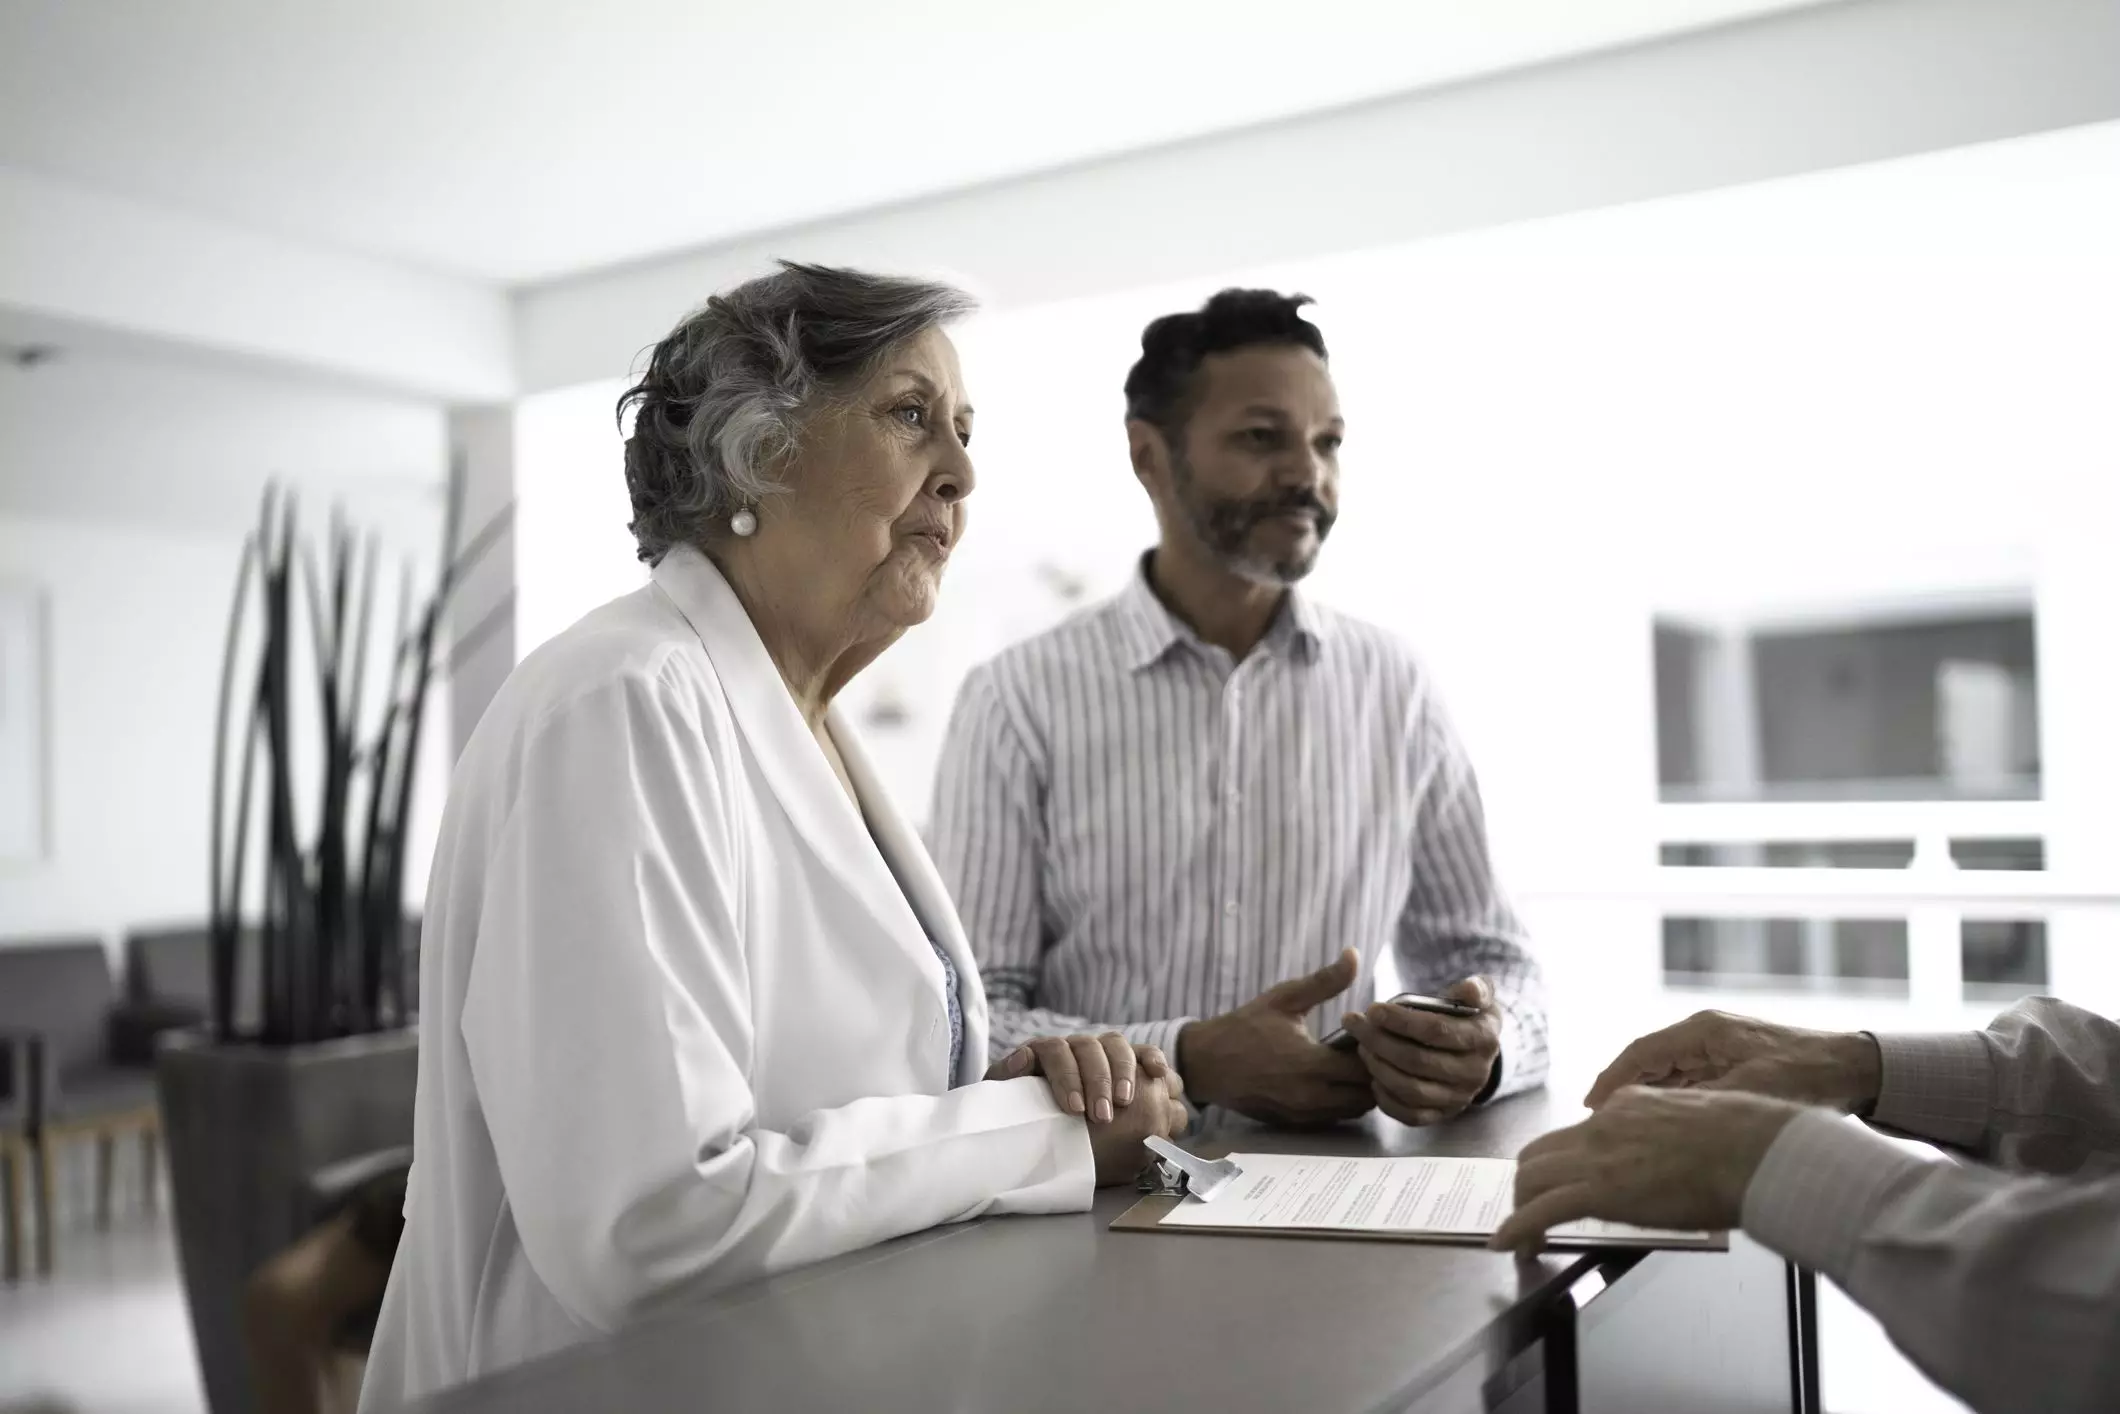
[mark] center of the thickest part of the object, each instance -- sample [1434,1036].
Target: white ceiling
[517,141]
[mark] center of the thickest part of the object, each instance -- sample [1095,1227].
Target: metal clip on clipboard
[1175,1173]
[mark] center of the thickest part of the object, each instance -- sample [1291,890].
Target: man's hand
[1260,1060]
[1159,1109]
[1091,1076]
[1425,1067]
[1718,1051]
[1654,1158]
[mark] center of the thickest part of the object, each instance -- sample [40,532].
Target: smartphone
[1342,1040]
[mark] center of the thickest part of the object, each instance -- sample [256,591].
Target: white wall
[482,605]
[572,549]
[126,487]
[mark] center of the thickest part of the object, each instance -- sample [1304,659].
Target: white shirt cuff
[1819,1187]
[1161,1034]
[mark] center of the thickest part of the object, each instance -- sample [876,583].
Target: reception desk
[1058,1313]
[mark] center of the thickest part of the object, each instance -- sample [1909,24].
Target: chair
[22,1089]
[173,968]
[170,964]
[76,1070]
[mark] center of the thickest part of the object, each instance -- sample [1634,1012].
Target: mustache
[1249,513]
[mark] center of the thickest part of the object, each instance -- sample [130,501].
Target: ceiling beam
[1806,90]
[80,264]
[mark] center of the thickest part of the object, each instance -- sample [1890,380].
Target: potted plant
[316,1066]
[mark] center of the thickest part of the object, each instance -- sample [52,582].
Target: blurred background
[1730,390]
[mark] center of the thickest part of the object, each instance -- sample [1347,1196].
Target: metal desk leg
[1803,1340]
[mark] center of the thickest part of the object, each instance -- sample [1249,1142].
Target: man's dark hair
[1161,385]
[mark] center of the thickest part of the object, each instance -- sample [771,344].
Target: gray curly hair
[726,395]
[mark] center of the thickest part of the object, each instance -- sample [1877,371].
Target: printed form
[1434,1198]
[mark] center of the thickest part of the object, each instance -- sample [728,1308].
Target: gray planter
[245,1126]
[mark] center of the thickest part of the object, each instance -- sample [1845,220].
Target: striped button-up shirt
[1140,830]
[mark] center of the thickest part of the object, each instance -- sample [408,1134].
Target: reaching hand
[1719,1051]
[1089,1075]
[1654,1158]
[1262,1061]
[1427,1067]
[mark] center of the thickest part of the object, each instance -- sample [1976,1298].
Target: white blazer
[681,1023]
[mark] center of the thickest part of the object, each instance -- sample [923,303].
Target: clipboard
[1147,1216]
[1164,1188]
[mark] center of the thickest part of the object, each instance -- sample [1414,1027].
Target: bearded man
[1198,814]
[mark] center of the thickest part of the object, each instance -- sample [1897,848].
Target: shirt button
[1235,795]
[1230,908]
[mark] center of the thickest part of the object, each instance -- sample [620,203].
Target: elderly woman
[696,1007]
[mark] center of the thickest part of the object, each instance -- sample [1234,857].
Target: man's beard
[1225,526]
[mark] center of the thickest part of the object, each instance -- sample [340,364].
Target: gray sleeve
[2004,1289]
[1457,923]
[2039,1089]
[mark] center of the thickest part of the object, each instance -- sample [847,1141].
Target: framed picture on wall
[22,703]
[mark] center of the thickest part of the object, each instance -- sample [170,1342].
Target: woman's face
[875,498]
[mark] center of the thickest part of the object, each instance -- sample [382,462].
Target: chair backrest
[64,991]
[170,965]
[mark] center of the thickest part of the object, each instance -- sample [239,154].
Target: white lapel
[795,769]
[914,870]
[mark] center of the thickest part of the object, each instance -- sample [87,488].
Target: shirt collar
[1149,630]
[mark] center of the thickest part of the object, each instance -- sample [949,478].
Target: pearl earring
[744,522]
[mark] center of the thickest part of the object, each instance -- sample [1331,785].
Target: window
[1822,725]
[1944,709]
